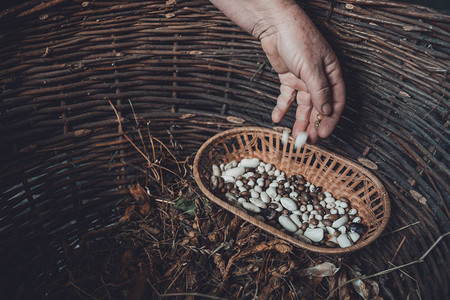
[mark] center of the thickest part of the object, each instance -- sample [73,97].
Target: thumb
[318,86]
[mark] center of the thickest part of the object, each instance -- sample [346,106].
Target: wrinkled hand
[308,69]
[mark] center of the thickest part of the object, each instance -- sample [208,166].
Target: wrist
[257,17]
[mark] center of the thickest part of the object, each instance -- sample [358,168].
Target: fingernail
[326,108]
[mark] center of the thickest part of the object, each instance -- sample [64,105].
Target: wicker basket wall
[190,72]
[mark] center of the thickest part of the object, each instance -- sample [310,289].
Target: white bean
[261,169]
[344,241]
[331,230]
[279,206]
[287,223]
[264,197]
[251,207]
[340,222]
[248,174]
[354,236]
[356,220]
[288,203]
[301,139]
[227,179]
[343,205]
[293,195]
[305,217]
[214,182]
[330,205]
[273,184]
[342,229]
[329,200]
[280,177]
[299,232]
[315,235]
[216,170]
[228,166]
[296,219]
[250,162]
[285,137]
[258,203]
[352,211]
[271,192]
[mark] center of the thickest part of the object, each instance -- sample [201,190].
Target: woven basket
[323,168]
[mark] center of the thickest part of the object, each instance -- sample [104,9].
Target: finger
[284,101]
[313,134]
[303,112]
[338,95]
[317,84]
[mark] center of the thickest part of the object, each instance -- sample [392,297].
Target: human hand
[308,69]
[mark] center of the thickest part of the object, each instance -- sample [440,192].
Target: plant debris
[170,242]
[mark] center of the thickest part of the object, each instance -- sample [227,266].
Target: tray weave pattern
[320,167]
[188,71]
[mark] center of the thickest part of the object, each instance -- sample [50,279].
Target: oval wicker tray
[332,172]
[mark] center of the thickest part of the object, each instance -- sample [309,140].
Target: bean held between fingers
[301,208]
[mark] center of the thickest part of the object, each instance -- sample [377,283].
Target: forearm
[256,16]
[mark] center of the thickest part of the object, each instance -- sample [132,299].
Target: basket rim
[269,229]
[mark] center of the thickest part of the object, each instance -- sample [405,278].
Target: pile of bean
[310,214]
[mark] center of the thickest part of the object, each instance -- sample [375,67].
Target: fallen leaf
[323,270]
[187,116]
[418,196]
[235,120]
[139,194]
[195,52]
[283,248]
[367,289]
[368,163]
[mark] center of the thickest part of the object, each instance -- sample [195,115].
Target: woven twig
[191,72]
